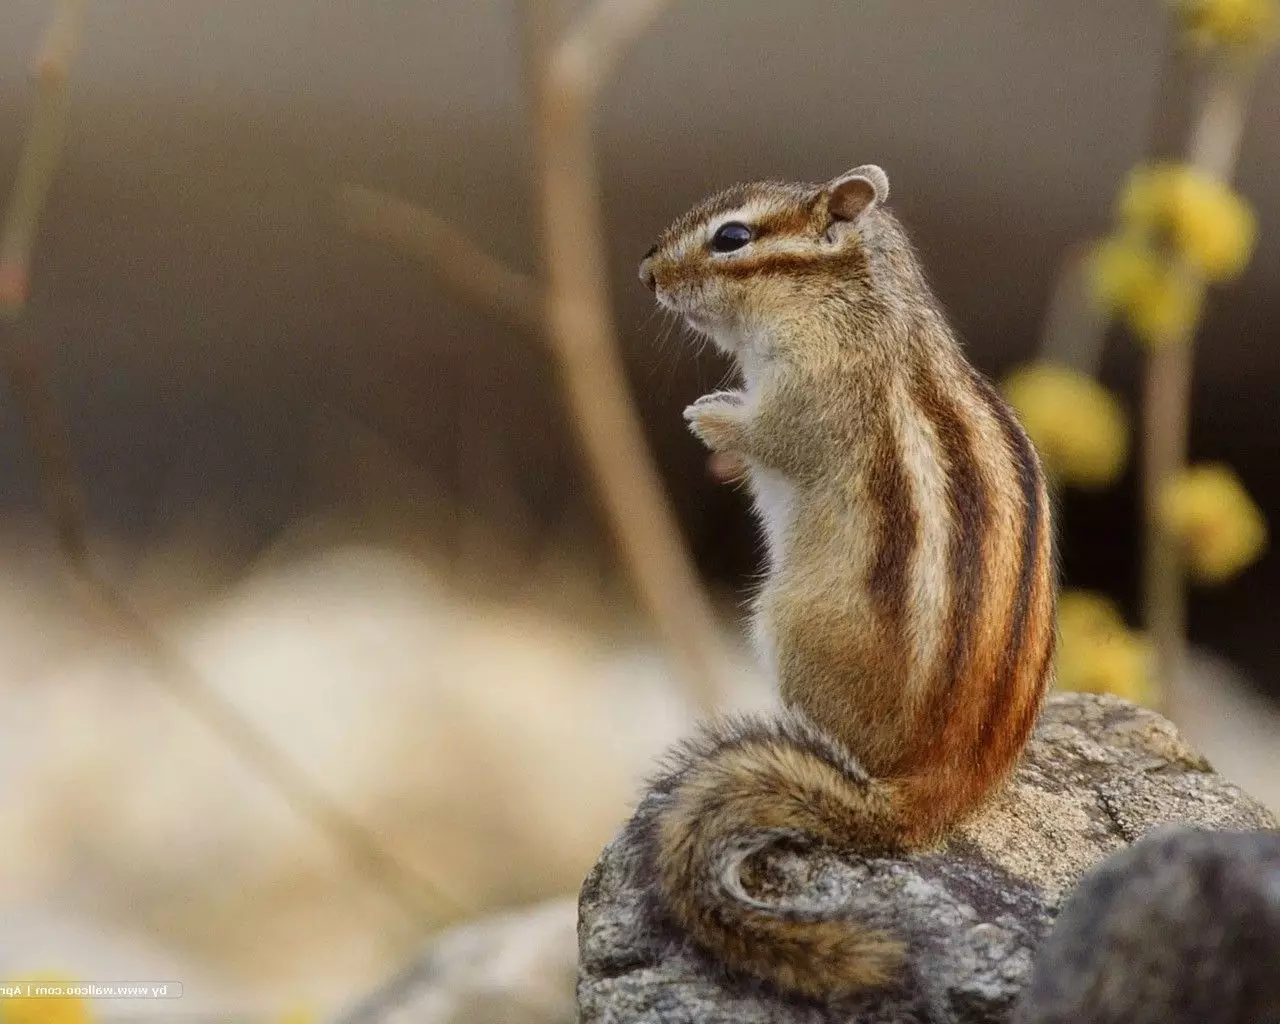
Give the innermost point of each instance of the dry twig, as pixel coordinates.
(583, 336)
(1214, 147)
(51, 69)
(459, 261)
(576, 314)
(40, 152)
(418, 899)
(1073, 332)
(591, 50)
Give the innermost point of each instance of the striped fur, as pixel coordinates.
(741, 787)
(908, 607)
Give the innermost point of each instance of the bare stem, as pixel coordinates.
(49, 440)
(584, 339)
(418, 901)
(1074, 329)
(575, 315)
(23, 366)
(1214, 148)
(1165, 410)
(457, 260)
(597, 42)
(40, 152)
(416, 898)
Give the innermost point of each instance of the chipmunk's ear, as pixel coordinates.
(854, 192)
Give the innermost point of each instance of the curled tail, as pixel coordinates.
(740, 787)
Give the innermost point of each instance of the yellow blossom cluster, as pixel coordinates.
(1098, 653)
(1077, 425)
(1228, 24)
(1173, 218)
(1217, 526)
(44, 1009)
(1131, 276)
(1208, 224)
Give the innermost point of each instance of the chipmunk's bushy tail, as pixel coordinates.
(741, 786)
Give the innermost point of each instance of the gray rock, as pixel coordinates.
(1181, 928)
(512, 968)
(1098, 774)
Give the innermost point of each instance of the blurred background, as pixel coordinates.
(353, 501)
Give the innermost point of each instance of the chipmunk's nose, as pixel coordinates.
(646, 269)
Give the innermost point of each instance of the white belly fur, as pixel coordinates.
(775, 508)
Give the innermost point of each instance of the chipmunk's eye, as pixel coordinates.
(731, 236)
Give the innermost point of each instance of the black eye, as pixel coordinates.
(730, 236)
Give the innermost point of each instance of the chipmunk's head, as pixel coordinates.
(756, 256)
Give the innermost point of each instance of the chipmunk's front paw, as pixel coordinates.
(736, 399)
(719, 420)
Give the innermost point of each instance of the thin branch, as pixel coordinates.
(543, 24)
(597, 42)
(1074, 330)
(1214, 147)
(417, 900)
(584, 339)
(40, 152)
(575, 315)
(415, 897)
(457, 260)
(49, 440)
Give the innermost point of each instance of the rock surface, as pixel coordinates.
(507, 969)
(1098, 774)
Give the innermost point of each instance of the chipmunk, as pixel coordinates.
(907, 609)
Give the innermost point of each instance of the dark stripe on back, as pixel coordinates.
(1027, 717)
(899, 530)
(1027, 468)
(970, 513)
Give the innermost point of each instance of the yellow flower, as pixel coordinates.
(1206, 222)
(1217, 525)
(1097, 653)
(1129, 276)
(37, 1009)
(1084, 613)
(1215, 228)
(1078, 425)
(1228, 23)
(1164, 309)
(1120, 267)
(298, 1015)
